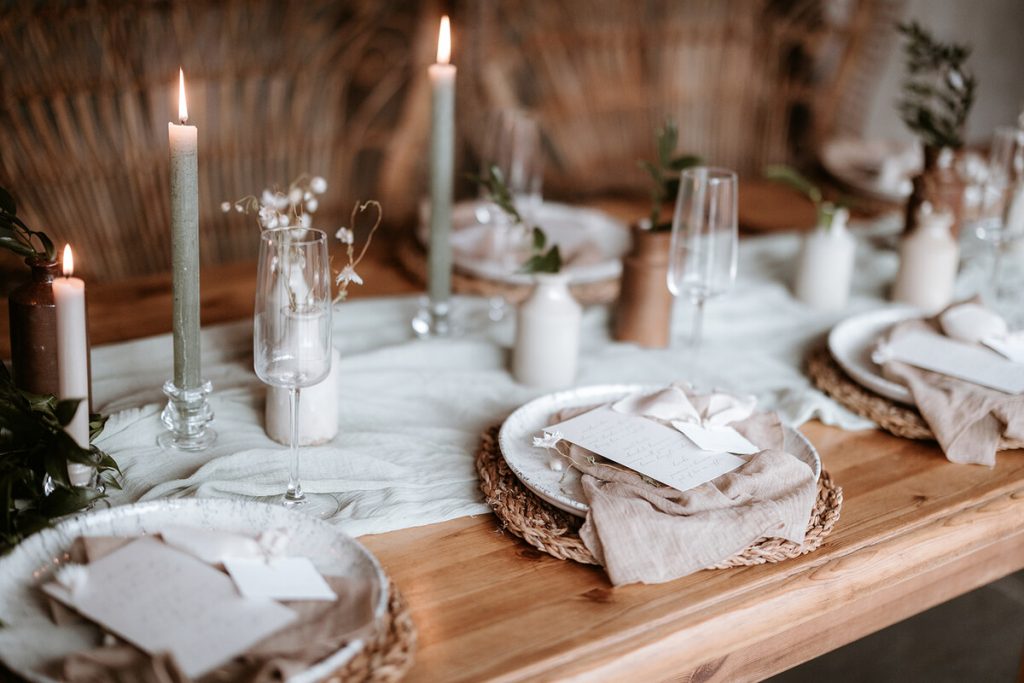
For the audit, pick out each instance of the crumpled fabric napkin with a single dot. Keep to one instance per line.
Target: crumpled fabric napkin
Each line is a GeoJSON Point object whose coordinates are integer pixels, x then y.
{"type": "Point", "coordinates": [673, 405]}
{"type": "Point", "coordinates": [321, 629]}
{"type": "Point", "coordinates": [643, 532]}
{"type": "Point", "coordinates": [969, 421]}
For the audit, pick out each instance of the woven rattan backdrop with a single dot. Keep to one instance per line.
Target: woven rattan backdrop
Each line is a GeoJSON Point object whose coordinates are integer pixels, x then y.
{"type": "Point", "coordinates": [338, 88]}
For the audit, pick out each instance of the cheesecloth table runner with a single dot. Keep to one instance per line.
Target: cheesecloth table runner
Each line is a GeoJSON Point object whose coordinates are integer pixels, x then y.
{"type": "Point", "coordinates": [412, 411]}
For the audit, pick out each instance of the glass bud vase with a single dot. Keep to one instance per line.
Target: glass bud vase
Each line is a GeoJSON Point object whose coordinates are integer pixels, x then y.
{"type": "Point", "coordinates": [33, 323]}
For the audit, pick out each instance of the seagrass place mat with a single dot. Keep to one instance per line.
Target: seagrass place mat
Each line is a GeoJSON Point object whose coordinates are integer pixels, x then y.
{"type": "Point", "coordinates": [388, 656]}
{"type": "Point", "coordinates": [413, 259]}
{"type": "Point", "coordinates": [555, 531]}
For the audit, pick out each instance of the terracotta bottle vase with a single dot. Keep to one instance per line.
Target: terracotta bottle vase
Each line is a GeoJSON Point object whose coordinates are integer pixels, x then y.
{"type": "Point", "coordinates": [939, 184]}
{"type": "Point", "coordinates": [643, 314]}
{"type": "Point", "coordinates": [33, 320]}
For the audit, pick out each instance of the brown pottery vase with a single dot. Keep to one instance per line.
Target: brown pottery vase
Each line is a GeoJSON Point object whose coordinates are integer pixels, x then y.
{"type": "Point", "coordinates": [938, 184]}
{"type": "Point", "coordinates": [33, 321]}
{"type": "Point", "coordinates": [643, 313]}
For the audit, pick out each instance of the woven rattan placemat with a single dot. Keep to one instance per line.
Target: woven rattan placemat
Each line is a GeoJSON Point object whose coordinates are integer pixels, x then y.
{"type": "Point", "coordinates": [388, 656]}
{"type": "Point", "coordinates": [413, 259]}
{"type": "Point", "coordinates": [554, 531]}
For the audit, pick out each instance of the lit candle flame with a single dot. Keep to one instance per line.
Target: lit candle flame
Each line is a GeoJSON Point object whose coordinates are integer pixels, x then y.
{"type": "Point", "coordinates": [68, 261]}
{"type": "Point", "coordinates": [182, 106]}
{"type": "Point", "coordinates": [444, 41]}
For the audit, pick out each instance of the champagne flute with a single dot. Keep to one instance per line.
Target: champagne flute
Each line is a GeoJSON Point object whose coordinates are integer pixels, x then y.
{"type": "Point", "coordinates": [1002, 222]}
{"type": "Point", "coordinates": [703, 252]}
{"type": "Point", "coordinates": [292, 329]}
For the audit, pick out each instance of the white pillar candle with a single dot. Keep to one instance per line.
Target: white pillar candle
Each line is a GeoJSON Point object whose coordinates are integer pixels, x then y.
{"type": "Point", "coordinates": [73, 359]}
{"type": "Point", "coordinates": [442, 168]}
{"type": "Point", "coordinates": [185, 244]}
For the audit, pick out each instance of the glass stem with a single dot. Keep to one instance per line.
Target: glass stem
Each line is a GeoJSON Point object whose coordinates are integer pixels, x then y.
{"type": "Point", "coordinates": [294, 494]}
{"type": "Point", "coordinates": [997, 267]}
{"type": "Point", "coordinates": [696, 335]}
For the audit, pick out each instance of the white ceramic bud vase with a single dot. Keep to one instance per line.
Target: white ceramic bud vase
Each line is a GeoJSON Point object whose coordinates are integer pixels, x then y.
{"type": "Point", "coordinates": [929, 261]}
{"type": "Point", "coordinates": [825, 268]}
{"type": "Point", "coordinates": [547, 334]}
{"type": "Point", "coordinates": [318, 410]}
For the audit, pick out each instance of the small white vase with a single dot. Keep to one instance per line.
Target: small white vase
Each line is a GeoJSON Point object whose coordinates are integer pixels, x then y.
{"type": "Point", "coordinates": [318, 410]}
{"type": "Point", "coordinates": [929, 261]}
{"type": "Point", "coordinates": [825, 268]}
{"type": "Point", "coordinates": [547, 334]}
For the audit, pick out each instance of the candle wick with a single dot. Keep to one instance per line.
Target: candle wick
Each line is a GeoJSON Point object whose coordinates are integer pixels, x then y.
{"type": "Point", "coordinates": [183, 120]}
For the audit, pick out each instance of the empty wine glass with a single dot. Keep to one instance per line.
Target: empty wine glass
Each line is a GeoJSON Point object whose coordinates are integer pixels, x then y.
{"type": "Point", "coordinates": [292, 329]}
{"type": "Point", "coordinates": [702, 260]}
{"type": "Point", "coordinates": [1001, 224]}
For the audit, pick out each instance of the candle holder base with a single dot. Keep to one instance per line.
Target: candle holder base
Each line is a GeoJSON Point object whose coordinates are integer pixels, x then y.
{"type": "Point", "coordinates": [434, 319]}
{"type": "Point", "coordinates": [187, 417]}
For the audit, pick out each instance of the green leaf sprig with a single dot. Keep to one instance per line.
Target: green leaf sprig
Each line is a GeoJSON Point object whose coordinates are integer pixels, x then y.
{"type": "Point", "coordinates": [34, 445]}
{"type": "Point", "coordinates": [938, 92]}
{"type": "Point", "coordinates": [543, 259]}
{"type": "Point", "coordinates": [790, 177]}
{"type": "Point", "coordinates": [17, 237]}
{"type": "Point", "coordinates": [665, 172]}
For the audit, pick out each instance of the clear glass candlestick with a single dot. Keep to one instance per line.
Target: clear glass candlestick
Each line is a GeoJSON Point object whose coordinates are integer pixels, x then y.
{"type": "Point", "coordinates": [187, 417]}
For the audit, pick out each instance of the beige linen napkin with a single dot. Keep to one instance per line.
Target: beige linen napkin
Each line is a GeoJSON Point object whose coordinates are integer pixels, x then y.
{"type": "Point", "coordinates": [321, 629]}
{"type": "Point", "coordinates": [648, 533]}
{"type": "Point", "coordinates": [969, 421]}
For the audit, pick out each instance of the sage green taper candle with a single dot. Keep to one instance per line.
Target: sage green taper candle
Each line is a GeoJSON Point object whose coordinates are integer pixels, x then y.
{"type": "Point", "coordinates": [185, 245]}
{"type": "Point", "coordinates": [442, 169]}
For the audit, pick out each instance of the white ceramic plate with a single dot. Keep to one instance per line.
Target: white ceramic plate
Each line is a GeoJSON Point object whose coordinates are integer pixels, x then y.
{"type": "Point", "coordinates": [29, 638]}
{"type": "Point", "coordinates": [852, 341]}
{"type": "Point", "coordinates": [531, 464]}
{"type": "Point", "coordinates": [570, 227]}
{"type": "Point", "coordinates": [857, 163]}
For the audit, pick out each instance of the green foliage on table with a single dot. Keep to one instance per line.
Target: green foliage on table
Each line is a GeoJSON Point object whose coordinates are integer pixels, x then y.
{"type": "Point", "coordinates": [542, 259]}
{"type": "Point", "coordinates": [665, 171]}
{"type": "Point", "coordinates": [790, 177]}
{"type": "Point", "coordinates": [938, 93]}
{"type": "Point", "coordinates": [17, 237]}
{"type": "Point", "coordinates": [34, 445]}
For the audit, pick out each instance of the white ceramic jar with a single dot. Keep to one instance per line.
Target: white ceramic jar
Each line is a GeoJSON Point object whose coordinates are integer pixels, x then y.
{"type": "Point", "coordinates": [825, 267]}
{"type": "Point", "coordinates": [929, 260]}
{"type": "Point", "coordinates": [547, 344]}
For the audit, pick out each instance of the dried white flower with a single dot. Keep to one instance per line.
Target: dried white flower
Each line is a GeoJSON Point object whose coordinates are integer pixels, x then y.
{"type": "Point", "coordinates": [955, 79]}
{"type": "Point", "coordinates": [280, 202]}
{"type": "Point", "coordinates": [285, 220]}
{"type": "Point", "coordinates": [549, 440]}
{"type": "Point", "coordinates": [318, 185]}
{"type": "Point", "coordinates": [308, 195]}
{"type": "Point", "coordinates": [295, 195]}
{"type": "Point", "coordinates": [348, 274]}
{"type": "Point", "coordinates": [225, 206]}
{"type": "Point", "coordinates": [267, 198]}
{"type": "Point", "coordinates": [345, 236]}
{"type": "Point", "coordinates": [556, 463]}
{"type": "Point", "coordinates": [272, 223]}
{"type": "Point", "coordinates": [312, 205]}
{"type": "Point", "coordinates": [239, 208]}
{"type": "Point", "coordinates": [305, 220]}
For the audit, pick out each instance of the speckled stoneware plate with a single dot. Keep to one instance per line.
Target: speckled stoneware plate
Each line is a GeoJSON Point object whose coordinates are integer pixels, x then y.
{"type": "Point", "coordinates": [852, 341]}
{"type": "Point", "coordinates": [29, 638]}
{"type": "Point", "coordinates": [565, 492]}
{"type": "Point", "coordinates": [570, 227]}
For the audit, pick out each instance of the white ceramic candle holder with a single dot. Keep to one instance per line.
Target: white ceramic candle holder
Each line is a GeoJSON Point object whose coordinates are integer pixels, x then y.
{"type": "Point", "coordinates": [187, 417]}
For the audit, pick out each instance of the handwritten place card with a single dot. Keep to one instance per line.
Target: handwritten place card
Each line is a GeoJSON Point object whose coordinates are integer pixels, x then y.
{"type": "Point", "coordinates": [279, 578]}
{"type": "Point", "coordinates": [723, 439]}
{"type": "Point", "coordinates": [650, 448]}
{"type": "Point", "coordinates": [163, 600]}
{"type": "Point", "coordinates": [956, 359]}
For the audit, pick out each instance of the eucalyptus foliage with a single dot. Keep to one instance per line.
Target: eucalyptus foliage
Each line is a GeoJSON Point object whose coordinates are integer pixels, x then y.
{"type": "Point", "coordinates": [543, 259]}
{"type": "Point", "coordinates": [17, 237]}
{"type": "Point", "coordinates": [34, 455]}
{"type": "Point", "coordinates": [664, 172]}
{"type": "Point", "coordinates": [938, 92]}
{"type": "Point", "coordinates": [792, 178]}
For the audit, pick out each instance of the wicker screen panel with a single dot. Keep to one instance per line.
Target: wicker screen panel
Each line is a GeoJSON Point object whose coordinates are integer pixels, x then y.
{"type": "Point", "coordinates": [276, 89]}
{"type": "Point", "coordinates": [750, 82]}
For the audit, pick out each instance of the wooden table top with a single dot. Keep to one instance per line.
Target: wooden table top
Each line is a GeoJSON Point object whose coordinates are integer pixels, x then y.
{"type": "Point", "coordinates": [915, 531]}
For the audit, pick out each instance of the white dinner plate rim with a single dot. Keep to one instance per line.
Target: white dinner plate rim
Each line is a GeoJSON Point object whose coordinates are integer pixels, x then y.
{"type": "Point", "coordinates": [869, 377]}
{"type": "Point", "coordinates": [74, 525]}
{"type": "Point", "coordinates": [510, 443]}
{"type": "Point", "coordinates": [834, 149]}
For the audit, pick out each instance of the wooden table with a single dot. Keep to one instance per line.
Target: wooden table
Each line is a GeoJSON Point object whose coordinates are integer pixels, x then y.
{"type": "Point", "coordinates": [915, 531]}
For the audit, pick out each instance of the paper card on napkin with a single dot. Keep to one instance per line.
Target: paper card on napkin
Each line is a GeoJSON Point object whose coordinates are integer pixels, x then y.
{"type": "Point", "coordinates": [956, 359]}
{"type": "Point", "coordinates": [650, 448]}
{"type": "Point", "coordinates": [280, 578]}
{"type": "Point", "coordinates": [718, 439]}
{"type": "Point", "coordinates": [164, 600]}
{"type": "Point", "coordinates": [1011, 346]}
